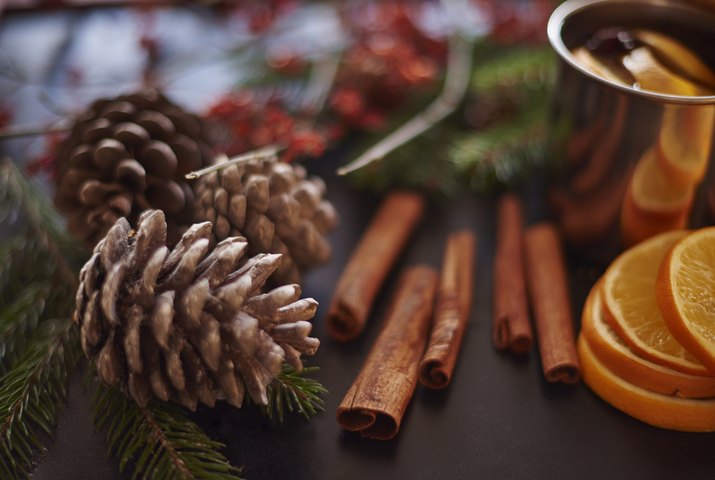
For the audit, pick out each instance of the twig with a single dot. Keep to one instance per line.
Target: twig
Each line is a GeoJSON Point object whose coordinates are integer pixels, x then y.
{"type": "Point", "coordinates": [322, 77]}
{"type": "Point", "coordinates": [222, 160]}
{"type": "Point", "coordinates": [29, 131]}
{"type": "Point", "coordinates": [459, 66]}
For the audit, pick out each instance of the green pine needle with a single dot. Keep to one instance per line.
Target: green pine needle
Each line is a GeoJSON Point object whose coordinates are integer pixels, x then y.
{"type": "Point", "coordinates": [513, 67]}
{"type": "Point", "coordinates": [20, 317]}
{"type": "Point", "coordinates": [504, 154]}
{"type": "Point", "coordinates": [38, 341]}
{"type": "Point", "coordinates": [158, 441]}
{"type": "Point", "coordinates": [25, 206]}
{"type": "Point", "coordinates": [501, 153]}
{"type": "Point", "coordinates": [294, 392]}
{"type": "Point", "coordinates": [32, 392]}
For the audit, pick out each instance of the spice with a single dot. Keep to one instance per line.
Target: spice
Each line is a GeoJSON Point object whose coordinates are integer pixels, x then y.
{"type": "Point", "coordinates": [370, 263]}
{"type": "Point", "coordinates": [377, 399]}
{"type": "Point", "coordinates": [454, 300]}
{"type": "Point", "coordinates": [546, 278]}
{"type": "Point", "coordinates": [511, 327]}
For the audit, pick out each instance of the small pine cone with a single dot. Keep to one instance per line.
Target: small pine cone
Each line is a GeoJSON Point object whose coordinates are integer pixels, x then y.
{"type": "Point", "coordinates": [125, 155]}
{"type": "Point", "coordinates": [275, 207]}
{"type": "Point", "coordinates": [191, 324]}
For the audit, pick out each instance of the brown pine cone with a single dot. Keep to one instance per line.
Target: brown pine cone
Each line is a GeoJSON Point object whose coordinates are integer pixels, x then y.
{"type": "Point", "coordinates": [125, 155]}
{"type": "Point", "coordinates": [275, 207]}
{"type": "Point", "coordinates": [189, 324]}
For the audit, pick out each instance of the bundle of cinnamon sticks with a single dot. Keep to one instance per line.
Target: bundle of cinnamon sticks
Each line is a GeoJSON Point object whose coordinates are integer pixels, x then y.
{"type": "Point", "coordinates": [532, 259]}
{"type": "Point", "coordinates": [413, 345]}
{"type": "Point", "coordinates": [422, 333]}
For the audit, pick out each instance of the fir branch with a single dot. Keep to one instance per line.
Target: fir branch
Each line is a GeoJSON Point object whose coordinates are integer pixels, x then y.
{"type": "Point", "coordinates": [21, 199]}
{"type": "Point", "coordinates": [502, 155]}
{"type": "Point", "coordinates": [422, 164]}
{"type": "Point", "coordinates": [516, 81]}
{"type": "Point", "coordinates": [158, 441]}
{"type": "Point", "coordinates": [294, 392]}
{"type": "Point", "coordinates": [19, 317]}
{"type": "Point", "coordinates": [32, 392]}
{"type": "Point", "coordinates": [516, 66]}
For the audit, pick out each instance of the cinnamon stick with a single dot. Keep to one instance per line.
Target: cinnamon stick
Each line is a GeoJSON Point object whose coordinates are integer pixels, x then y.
{"type": "Point", "coordinates": [511, 328]}
{"type": "Point", "coordinates": [376, 401]}
{"type": "Point", "coordinates": [454, 300]}
{"type": "Point", "coordinates": [548, 289]}
{"type": "Point", "coordinates": [372, 260]}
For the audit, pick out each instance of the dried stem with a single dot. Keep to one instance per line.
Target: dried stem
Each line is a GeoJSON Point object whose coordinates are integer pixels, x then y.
{"type": "Point", "coordinates": [322, 77]}
{"type": "Point", "coordinates": [30, 131]}
{"type": "Point", "coordinates": [459, 66]}
{"type": "Point", "coordinates": [219, 163]}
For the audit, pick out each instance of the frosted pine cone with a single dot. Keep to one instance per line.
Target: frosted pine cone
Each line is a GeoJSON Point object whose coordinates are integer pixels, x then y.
{"type": "Point", "coordinates": [189, 324]}
{"type": "Point", "coordinates": [125, 155]}
{"type": "Point", "coordinates": [275, 207]}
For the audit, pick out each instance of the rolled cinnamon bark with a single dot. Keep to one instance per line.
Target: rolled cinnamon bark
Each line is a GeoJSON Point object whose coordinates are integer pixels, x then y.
{"type": "Point", "coordinates": [377, 399]}
{"type": "Point", "coordinates": [511, 328]}
{"type": "Point", "coordinates": [548, 291]}
{"type": "Point", "coordinates": [370, 263]}
{"type": "Point", "coordinates": [454, 301]}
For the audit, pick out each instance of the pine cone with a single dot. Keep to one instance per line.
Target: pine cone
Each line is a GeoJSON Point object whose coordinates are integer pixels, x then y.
{"type": "Point", "coordinates": [187, 325]}
{"type": "Point", "coordinates": [126, 155]}
{"type": "Point", "coordinates": [275, 207]}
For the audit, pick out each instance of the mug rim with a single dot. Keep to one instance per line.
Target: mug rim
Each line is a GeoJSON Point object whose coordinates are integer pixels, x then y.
{"type": "Point", "coordinates": [561, 15]}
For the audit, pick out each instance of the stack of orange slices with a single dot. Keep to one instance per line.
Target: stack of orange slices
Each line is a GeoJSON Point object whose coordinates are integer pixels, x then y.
{"type": "Point", "coordinates": [661, 192]}
{"type": "Point", "coordinates": [647, 341]}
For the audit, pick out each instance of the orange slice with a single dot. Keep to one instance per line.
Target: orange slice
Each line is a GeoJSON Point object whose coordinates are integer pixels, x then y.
{"type": "Point", "coordinates": [638, 225]}
{"type": "Point", "coordinates": [662, 411]}
{"type": "Point", "coordinates": [652, 75]}
{"type": "Point", "coordinates": [601, 68]}
{"type": "Point", "coordinates": [654, 192]}
{"type": "Point", "coordinates": [630, 305]}
{"type": "Point", "coordinates": [684, 142]}
{"type": "Point", "coordinates": [686, 294]}
{"type": "Point", "coordinates": [677, 57]}
{"type": "Point", "coordinates": [615, 355]}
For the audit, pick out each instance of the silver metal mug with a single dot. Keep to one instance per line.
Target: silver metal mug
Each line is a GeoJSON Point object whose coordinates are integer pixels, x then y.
{"type": "Point", "coordinates": [623, 155]}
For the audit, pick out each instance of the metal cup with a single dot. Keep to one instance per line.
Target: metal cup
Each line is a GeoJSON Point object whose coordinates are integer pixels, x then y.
{"type": "Point", "coordinates": [606, 137]}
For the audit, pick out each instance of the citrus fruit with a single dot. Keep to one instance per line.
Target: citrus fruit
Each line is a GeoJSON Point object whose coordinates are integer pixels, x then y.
{"type": "Point", "coordinates": [600, 67]}
{"type": "Point", "coordinates": [684, 142]}
{"type": "Point", "coordinates": [628, 291]}
{"type": "Point", "coordinates": [652, 75]}
{"type": "Point", "coordinates": [689, 415]}
{"type": "Point", "coordinates": [638, 225]}
{"type": "Point", "coordinates": [615, 355]}
{"type": "Point", "coordinates": [677, 57]}
{"type": "Point", "coordinates": [686, 294]}
{"type": "Point", "coordinates": [654, 192]}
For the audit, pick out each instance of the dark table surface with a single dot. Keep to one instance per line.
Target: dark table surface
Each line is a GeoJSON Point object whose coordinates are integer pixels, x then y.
{"type": "Point", "coordinates": [498, 419]}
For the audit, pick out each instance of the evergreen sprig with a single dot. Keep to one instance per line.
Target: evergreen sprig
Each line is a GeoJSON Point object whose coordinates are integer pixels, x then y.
{"type": "Point", "coordinates": [39, 348]}
{"type": "Point", "coordinates": [511, 84]}
{"type": "Point", "coordinates": [512, 66]}
{"type": "Point", "coordinates": [32, 393]}
{"type": "Point", "coordinates": [295, 392]}
{"type": "Point", "coordinates": [38, 341]}
{"type": "Point", "coordinates": [19, 317]}
{"type": "Point", "coordinates": [502, 155]}
{"type": "Point", "coordinates": [158, 441]}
